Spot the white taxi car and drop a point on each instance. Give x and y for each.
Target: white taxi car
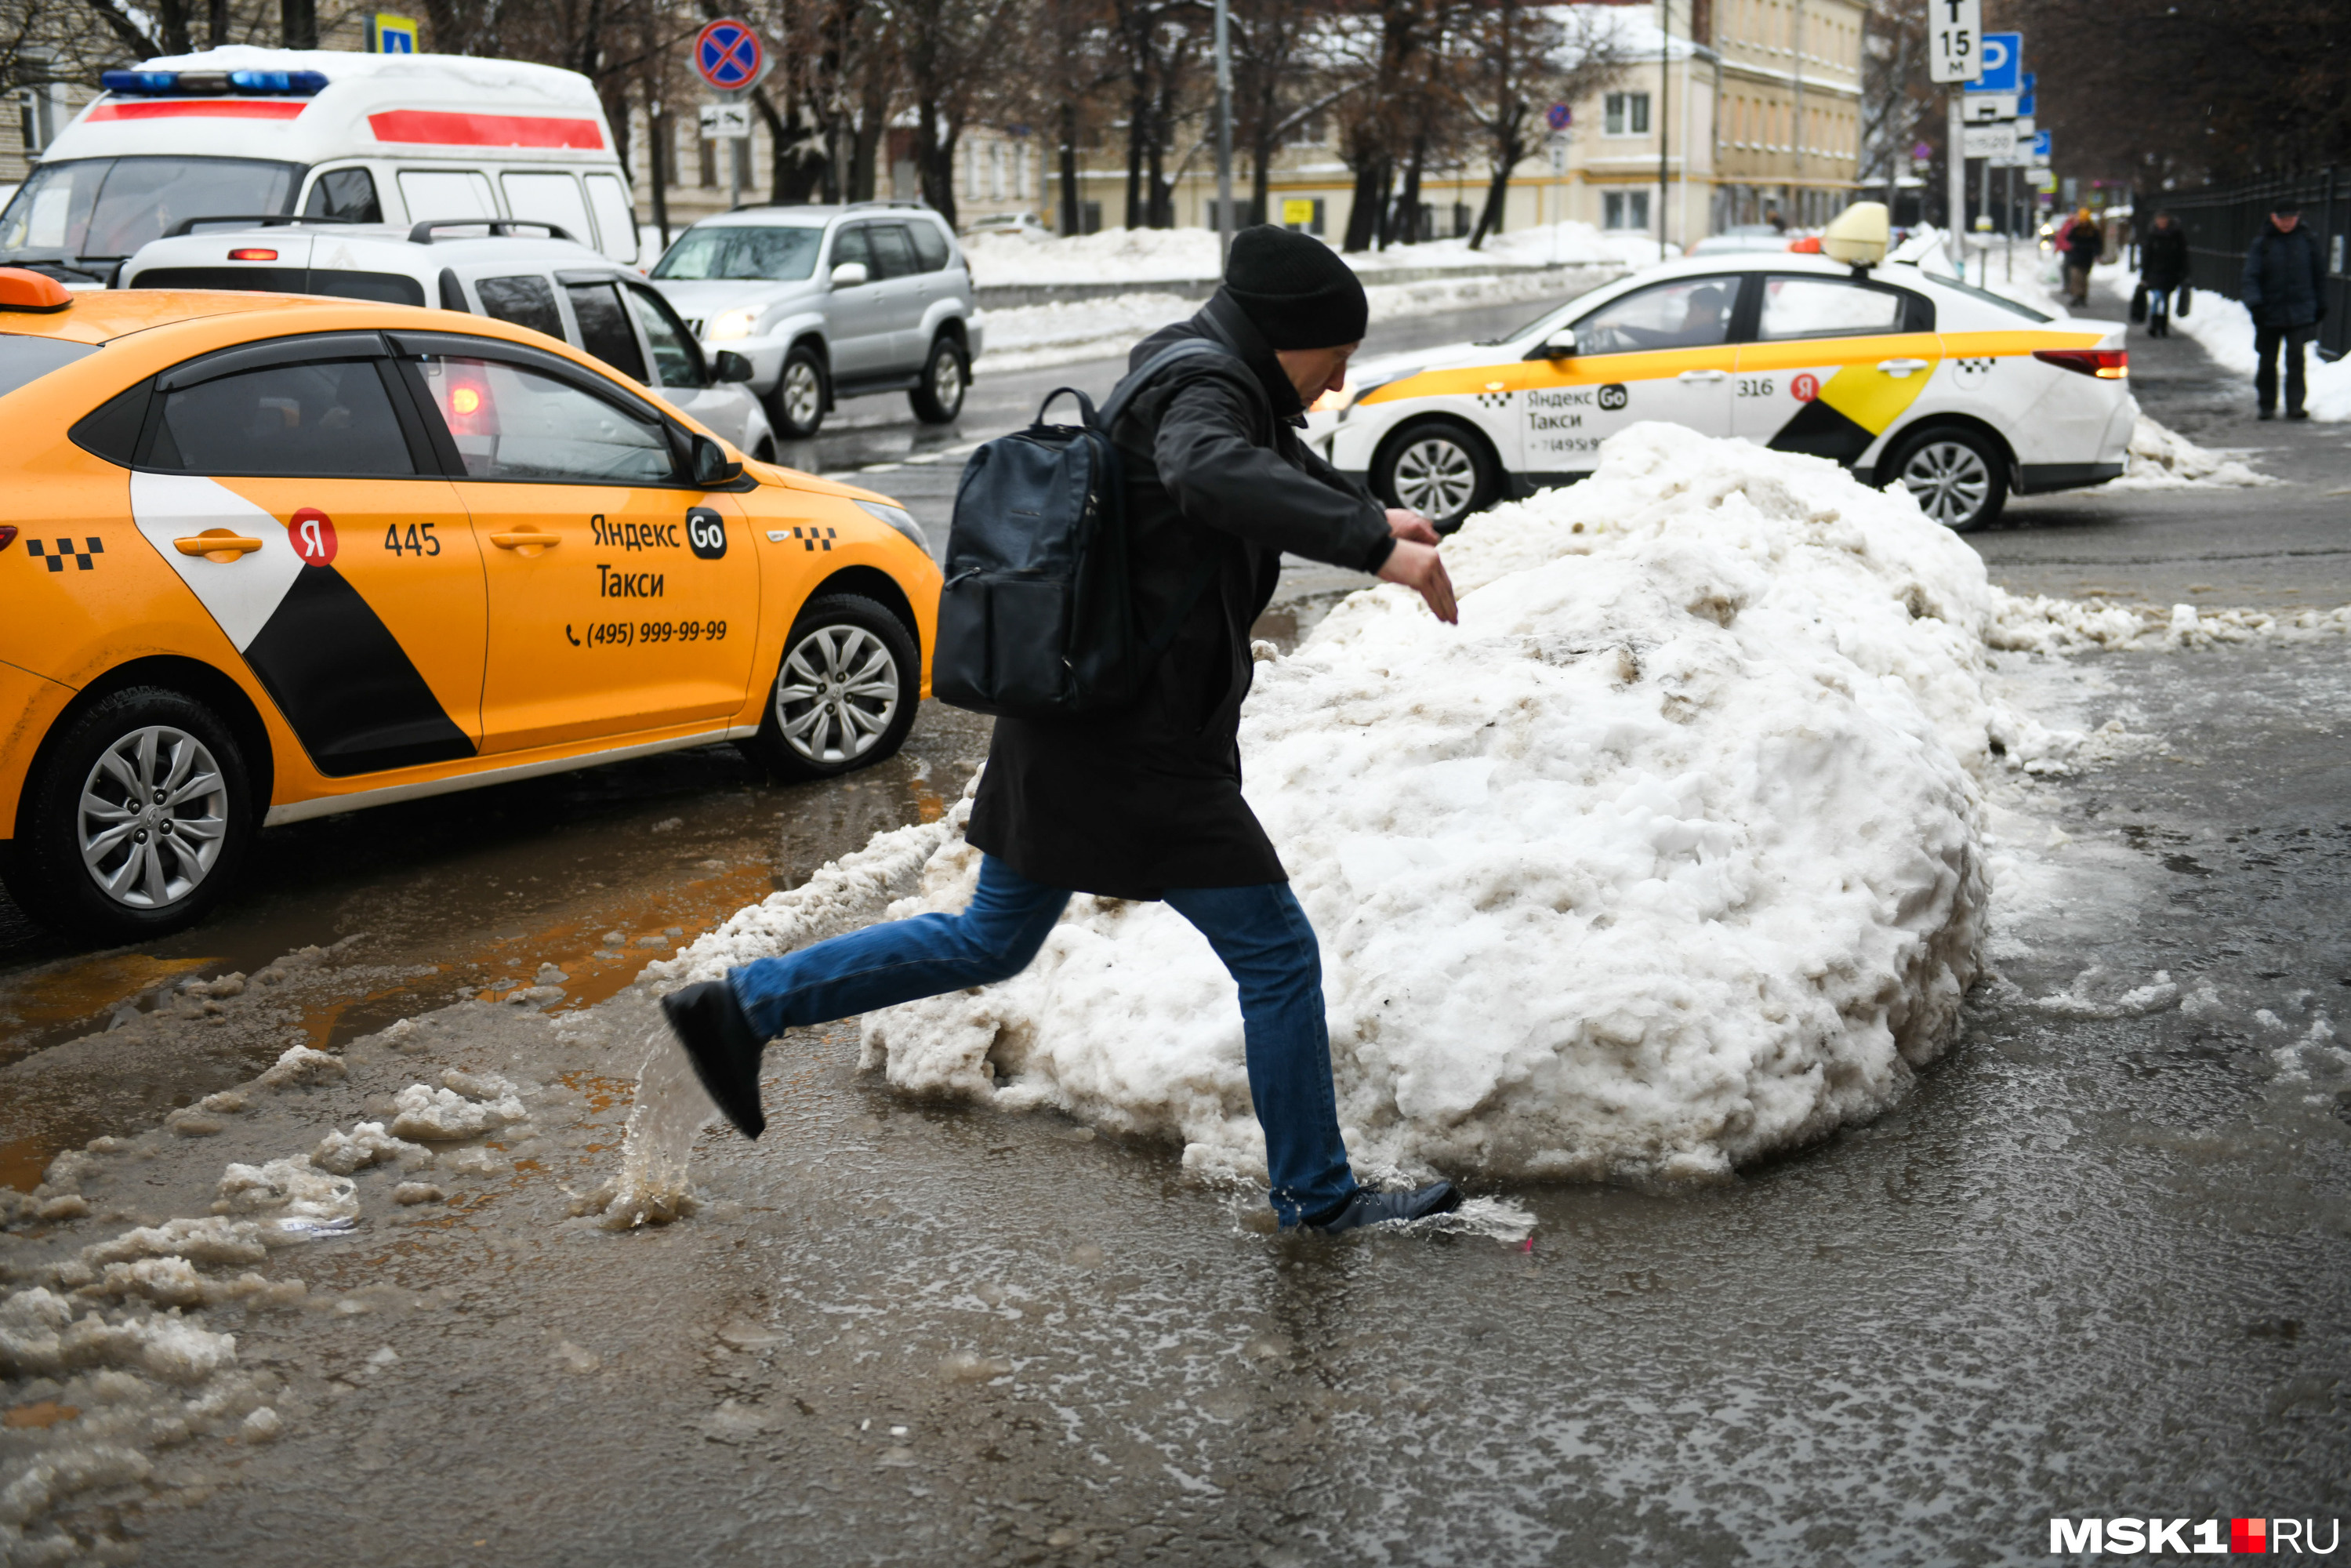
(1894, 372)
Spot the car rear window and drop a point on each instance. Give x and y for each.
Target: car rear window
(930, 245)
(603, 330)
(24, 360)
(525, 300)
(320, 420)
(383, 287)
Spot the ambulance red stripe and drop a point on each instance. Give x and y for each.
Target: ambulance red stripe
(200, 108)
(441, 128)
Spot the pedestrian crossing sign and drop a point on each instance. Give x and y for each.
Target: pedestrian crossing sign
(391, 35)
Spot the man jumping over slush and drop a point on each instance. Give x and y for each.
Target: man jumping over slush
(1147, 804)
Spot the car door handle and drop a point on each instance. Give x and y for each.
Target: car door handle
(217, 544)
(526, 541)
(1703, 376)
(1901, 367)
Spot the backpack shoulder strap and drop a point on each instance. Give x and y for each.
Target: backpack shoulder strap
(1141, 376)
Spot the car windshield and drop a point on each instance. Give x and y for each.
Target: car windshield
(775, 253)
(103, 209)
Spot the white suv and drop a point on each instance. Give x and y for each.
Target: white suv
(831, 302)
(549, 284)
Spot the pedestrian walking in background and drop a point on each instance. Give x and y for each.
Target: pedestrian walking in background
(2083, 244)
(2162, 268)
(1147, 803)
(2285, 288)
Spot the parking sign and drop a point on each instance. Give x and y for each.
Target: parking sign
(1954, 41)
(2003, 61)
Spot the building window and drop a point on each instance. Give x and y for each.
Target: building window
(1626, 114)
(1624, 210)
(1313, 131)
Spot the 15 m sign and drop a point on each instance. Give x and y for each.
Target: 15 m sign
(1955, 40)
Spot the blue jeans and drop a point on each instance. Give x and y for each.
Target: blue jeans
(1259, 931)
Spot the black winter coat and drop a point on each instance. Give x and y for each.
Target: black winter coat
(2163, 257)
(1150, 799)
(2085, 243)
(2284, 275)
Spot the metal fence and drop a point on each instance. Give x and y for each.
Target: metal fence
(2221, 221)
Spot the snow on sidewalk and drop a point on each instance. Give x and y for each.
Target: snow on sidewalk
(1669, 856)
(1143, 256)
(1028, 336)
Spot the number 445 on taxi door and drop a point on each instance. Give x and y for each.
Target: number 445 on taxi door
(415, 539)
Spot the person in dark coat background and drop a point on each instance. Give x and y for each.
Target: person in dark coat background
(2285, 288)
(2083, 244)
(2162, 267)
(1147, 803)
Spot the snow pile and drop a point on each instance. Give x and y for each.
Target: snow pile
(2161, 459)
(299, 1197)
(1668, 857)
(463, 1107)
(367, 1144)
(2037, 625)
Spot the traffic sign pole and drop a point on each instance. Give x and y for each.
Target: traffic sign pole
(729, 55)
(1955, 55)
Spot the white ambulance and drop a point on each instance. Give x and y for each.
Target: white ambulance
(382, 138)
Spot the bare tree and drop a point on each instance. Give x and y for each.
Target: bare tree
(1516, 55)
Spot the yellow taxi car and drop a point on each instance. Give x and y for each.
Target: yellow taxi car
(1895, 371)
(265, 558)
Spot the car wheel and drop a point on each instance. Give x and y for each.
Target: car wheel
(1437, 468)
(1956, 477)
(766, 452)
(939, 398)
(845, 695)
(135, 819)
(796, 408)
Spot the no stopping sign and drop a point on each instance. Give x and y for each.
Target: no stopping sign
(729, 55)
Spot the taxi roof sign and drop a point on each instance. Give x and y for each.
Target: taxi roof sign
(22, 289)
(1858, 235)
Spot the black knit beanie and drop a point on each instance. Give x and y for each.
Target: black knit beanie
(1295, 289)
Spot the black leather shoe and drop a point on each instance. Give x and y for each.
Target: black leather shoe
(718, 1039)
(2266, 413)
(2297, 414)
(1367, 1208)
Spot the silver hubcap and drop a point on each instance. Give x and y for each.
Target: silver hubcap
(1948, 481)
(1435, 475)
(838, 694)
(803, 394)
(153, 813)
(946, 379)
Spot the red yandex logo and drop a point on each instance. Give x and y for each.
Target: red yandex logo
(2131, 1537)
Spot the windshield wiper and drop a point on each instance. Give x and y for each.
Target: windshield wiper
(57, 264)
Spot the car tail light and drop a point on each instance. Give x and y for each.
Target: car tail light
(7, 535)
(2107, 365)
(253, 253)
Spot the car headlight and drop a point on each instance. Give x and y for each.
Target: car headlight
(734, 324)
(1343, 402)
(899, 519)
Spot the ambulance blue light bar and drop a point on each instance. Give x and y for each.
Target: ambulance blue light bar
(191, 84)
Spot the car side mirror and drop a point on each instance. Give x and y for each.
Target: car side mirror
(712, 466)
(730, 366)
(1560, 345)
(848, 274)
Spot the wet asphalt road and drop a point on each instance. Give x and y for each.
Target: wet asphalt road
(2095, 1265)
